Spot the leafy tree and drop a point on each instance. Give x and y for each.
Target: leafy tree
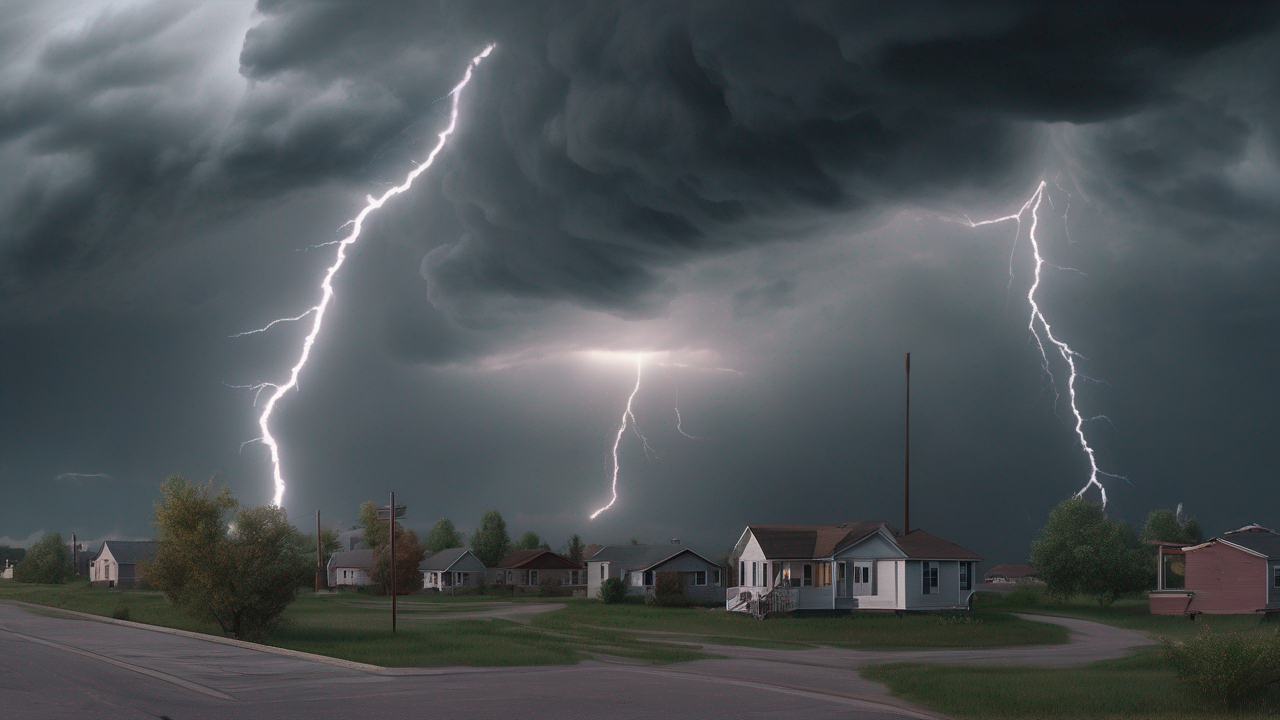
(240, 574)
(491, 542)
(1164, 526)
(635, 541)
(529, 541)
(576, 549)
(592, 549)
(48, 561)
(443, 536)
(408, 555)
(1081, 551)
(376, 532)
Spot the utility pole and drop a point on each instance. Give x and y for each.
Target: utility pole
(906, 459)
(75, 555)
(392, 521)
(319, 553)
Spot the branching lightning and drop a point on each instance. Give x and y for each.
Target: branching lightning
(679, 421)
(326, 285)
(617, 438)
(1038, 319)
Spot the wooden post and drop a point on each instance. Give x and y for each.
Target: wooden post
(906, 459)
(392, 521)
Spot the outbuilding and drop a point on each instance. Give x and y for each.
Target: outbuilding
(117, 562)
(1233, 574)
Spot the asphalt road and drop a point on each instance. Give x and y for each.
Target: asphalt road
(55, 667)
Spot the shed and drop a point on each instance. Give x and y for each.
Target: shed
(1237, 572)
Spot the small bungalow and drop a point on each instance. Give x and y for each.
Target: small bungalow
(527, 569)
(1010, 574)
(353, 567)
(851, 565)
(116, 563)
(639, 565)
(1235, 573)
(452, 568)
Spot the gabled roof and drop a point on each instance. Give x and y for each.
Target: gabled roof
(131, 552)
(1254, 538)
(539, 559)
(446, 559)
(642, 557)
(811, 541)
(1012, 570)
(920, 545)
(362, 559)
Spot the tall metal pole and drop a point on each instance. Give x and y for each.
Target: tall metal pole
(392, 521)
(906, 459)
(319, 554)
(75, 555)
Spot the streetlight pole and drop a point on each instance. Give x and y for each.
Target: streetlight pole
(392, 521)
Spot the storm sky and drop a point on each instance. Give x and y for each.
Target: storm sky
(763, 199)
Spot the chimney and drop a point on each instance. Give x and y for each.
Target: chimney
(675, 541)
(906, 458)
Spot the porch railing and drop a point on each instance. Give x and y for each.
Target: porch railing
(777, 600)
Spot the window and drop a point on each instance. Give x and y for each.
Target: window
(1275, 576)
(929, 578)
(648, 578)
(742, 572)
(754, 574)
(717, 576)
(808, 576)
(700, 577)
(533, 577)
(601, 571)
(966, 577)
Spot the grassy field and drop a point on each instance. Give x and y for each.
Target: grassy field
(355, 626)
(1131, 613)
(863, 630)
(1138, 686)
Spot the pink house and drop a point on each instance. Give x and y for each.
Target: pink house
(1236, 573)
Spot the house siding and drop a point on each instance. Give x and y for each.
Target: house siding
(1226, 580)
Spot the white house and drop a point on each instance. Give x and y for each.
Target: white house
(352, 567)
(863, 565)
(639, 565)
(116, 564)
(7, 573)
(455, 567)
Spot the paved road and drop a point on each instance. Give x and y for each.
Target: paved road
(53, 668)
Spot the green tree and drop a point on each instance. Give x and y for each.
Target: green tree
(576, 549)
(1164, 526)
(491, 542)
(48, 561)
(376, 532)
(1081, 551)
(408, 555)
(443, 536)
(529, 541)
(240, 574)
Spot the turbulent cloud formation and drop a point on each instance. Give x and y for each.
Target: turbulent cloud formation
(755, 185)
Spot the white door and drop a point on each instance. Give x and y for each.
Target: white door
(861, 584)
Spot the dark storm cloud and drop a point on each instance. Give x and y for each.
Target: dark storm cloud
(606, 142)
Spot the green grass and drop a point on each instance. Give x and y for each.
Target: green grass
(1130, 613)
(862, 630)
(1139, 686)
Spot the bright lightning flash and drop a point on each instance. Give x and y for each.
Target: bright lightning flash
(1038, 318)
(326, 286)
(617, 438)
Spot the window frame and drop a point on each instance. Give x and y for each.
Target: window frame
(700, 574)
(928, 577)
(966, 576)
(1275, 576)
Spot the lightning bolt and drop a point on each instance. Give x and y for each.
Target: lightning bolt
(676, 406)
(326, 286)
(1038, 319)
(622, 428)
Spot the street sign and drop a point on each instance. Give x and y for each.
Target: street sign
(385, 513)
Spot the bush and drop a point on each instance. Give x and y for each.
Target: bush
(46, 562)
(121, 612)
(612, 590)
(1026, 595)
(550, 586)
(1226, 667)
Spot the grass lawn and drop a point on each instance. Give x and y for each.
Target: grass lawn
(862, 630)
(1131, 613)
(1138, 686)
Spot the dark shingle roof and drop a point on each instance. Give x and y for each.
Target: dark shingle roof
(640, 557)
(538, 559)
(132, 552)
(810, 541)
(1256, 538)
(444, 559)
(353, 559)
(920, 544)
(1012, 570)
